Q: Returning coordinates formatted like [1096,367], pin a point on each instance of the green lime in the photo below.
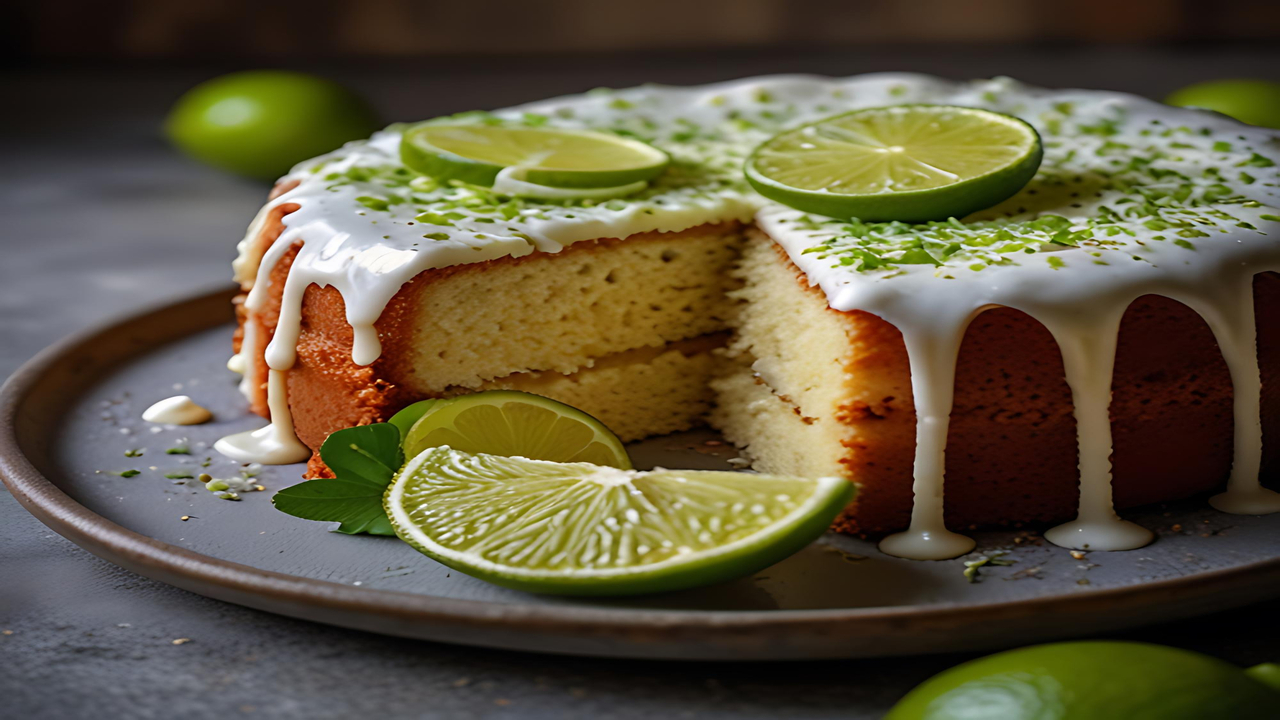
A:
[405,419]
[582,529]
[546,156]
[515,424]
[1095,680]
[1256,102]
[905,162]
[263,122]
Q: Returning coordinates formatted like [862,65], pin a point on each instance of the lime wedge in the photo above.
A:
[409,416]
[582,529]
[515,424]
[546,156]
[907,162]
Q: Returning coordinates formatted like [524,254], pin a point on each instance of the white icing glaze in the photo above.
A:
[274,444]
[1127,187]
[177,410]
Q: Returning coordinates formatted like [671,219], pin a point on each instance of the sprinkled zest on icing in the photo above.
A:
[1132,198]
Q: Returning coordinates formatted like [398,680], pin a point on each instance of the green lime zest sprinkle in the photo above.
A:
[972,568]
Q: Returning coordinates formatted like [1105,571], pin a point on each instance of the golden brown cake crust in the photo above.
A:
[1011,449]
[327,391]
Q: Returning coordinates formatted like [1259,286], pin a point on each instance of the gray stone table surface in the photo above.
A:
[99,217]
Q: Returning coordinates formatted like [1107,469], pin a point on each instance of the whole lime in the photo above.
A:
[1256,102]
[1095,680]
[263,122]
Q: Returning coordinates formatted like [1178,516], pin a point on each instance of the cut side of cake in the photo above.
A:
[1105,338]
[816,391]
[624,331]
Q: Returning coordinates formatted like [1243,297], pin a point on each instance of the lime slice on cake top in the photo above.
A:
[549,157]
[911,163]
[583,529]
[514,424]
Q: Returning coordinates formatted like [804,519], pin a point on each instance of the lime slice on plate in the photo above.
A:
[906,162]
[583,529]
[515,424]
[551,157]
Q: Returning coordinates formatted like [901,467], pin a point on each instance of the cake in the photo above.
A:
[1125,300]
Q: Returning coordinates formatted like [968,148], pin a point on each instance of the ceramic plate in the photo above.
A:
[68,417]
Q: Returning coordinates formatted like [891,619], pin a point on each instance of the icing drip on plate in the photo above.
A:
[1133,198]
[177,410]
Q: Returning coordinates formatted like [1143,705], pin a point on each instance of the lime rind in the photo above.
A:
[510,422]
[551,157]
[780,538]
[936,201]
[511,182]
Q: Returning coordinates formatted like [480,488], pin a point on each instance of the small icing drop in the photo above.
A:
[177,410]
[1088,349]
[248,369]
[236,364]
[274,444]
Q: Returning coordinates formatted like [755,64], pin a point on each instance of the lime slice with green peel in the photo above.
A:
[1097,680]
[906,162]
[582,529]
[515,424]
[409,416]
[552,157]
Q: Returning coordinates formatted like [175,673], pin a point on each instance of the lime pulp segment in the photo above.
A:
[552,157]
[907,162]
[515,424]
[582,529]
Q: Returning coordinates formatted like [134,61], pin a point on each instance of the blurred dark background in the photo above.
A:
[166,30]
[417,58]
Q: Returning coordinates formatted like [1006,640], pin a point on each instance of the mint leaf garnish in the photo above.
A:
[363,460]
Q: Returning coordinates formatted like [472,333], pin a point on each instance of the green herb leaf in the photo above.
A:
[363,459]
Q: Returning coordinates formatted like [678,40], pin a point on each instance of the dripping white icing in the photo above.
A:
[274,444]
[177,410]
[367,226]
[1088,347]
[932,349]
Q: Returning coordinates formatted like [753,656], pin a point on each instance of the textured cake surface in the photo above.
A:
[980,349]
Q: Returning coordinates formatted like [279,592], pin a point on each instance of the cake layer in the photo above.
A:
[1011,451]
[517,323]
[636,394]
